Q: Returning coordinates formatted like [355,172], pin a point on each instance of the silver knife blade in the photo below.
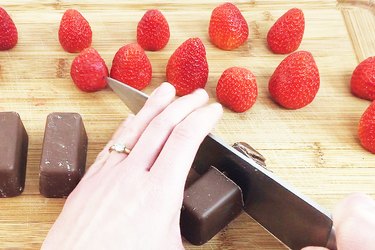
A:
[288,215]
[133,98]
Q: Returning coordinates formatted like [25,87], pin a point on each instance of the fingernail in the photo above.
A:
[199,91]
[216,105]
[164,88]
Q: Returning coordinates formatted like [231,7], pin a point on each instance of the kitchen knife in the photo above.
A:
[288,215]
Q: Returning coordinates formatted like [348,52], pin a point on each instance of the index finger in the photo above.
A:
[176,157]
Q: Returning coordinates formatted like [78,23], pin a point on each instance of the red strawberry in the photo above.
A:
[75,32]
[363,79]
[8,31]
[153,31]
[295,81]
[228,28]
[237,89]
[286,34]
[366,128]
[132,66]
[89,71]
[187,68]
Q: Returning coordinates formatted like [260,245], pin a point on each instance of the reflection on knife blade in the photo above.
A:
[289,216]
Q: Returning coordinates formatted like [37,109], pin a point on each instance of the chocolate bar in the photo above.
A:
[13,154]
[64,153]
[209,204]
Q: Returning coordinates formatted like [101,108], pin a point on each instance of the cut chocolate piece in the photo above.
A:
[13,154]
[250,152]
[209,205]
[64,153]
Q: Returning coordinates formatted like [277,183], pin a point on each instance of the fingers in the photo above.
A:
[104,154]
[157,102]
[131,129]
[173,164]
[354,205]
[354,221]
[157,132]
[119,130]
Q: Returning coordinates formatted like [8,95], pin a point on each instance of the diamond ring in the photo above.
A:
[119,148]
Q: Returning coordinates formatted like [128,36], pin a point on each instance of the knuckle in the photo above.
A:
[156,104]
[183,132]
[163,123]
[129,136]
[132,129]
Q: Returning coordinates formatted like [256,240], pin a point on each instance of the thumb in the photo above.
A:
[354,221]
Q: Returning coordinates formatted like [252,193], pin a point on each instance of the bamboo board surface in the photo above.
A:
[315,148]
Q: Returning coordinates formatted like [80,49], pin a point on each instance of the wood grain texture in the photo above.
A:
[315,149]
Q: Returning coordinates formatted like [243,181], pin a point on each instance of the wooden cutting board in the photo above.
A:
[315,149]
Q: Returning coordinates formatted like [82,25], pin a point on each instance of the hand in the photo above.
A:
[133,201]
[354,222]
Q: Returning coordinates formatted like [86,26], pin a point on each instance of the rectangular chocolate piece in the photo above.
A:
[13,154]
[210,203]
[64,154]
